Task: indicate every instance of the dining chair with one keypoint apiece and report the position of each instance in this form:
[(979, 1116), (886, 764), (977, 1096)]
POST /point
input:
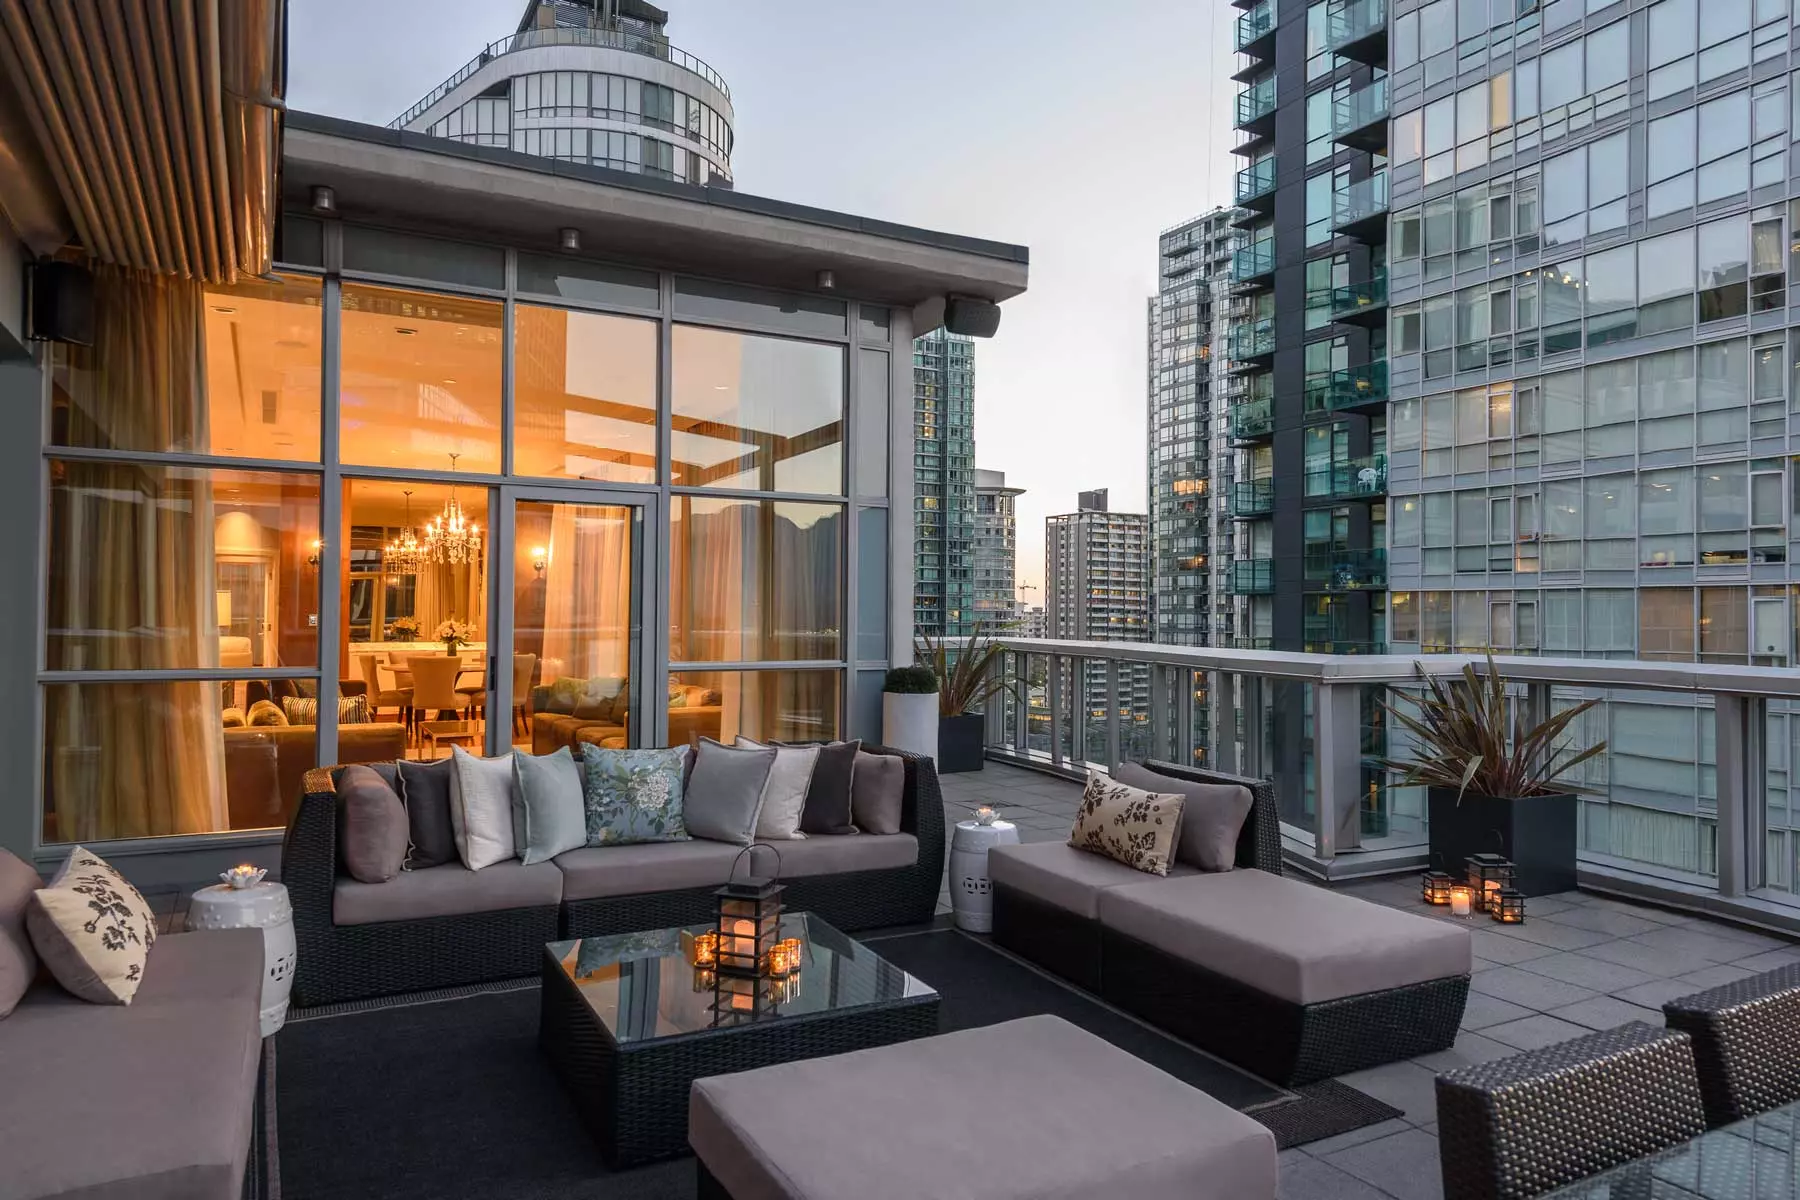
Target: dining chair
[(524, 666), (434, 685)]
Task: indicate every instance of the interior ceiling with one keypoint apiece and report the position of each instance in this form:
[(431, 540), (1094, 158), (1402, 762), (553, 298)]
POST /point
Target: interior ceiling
[(159, 121)]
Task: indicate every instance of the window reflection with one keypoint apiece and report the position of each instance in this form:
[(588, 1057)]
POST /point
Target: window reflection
[(754, 580), (584, 395), (757, 413), (790, 706)]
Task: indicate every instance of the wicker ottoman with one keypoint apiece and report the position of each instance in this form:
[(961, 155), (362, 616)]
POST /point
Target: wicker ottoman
[(1520, 1126), (1029, 1108), (1746, 1043)]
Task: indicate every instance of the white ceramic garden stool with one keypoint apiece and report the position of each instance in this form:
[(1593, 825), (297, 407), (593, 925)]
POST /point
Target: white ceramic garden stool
[(265, 907), (971, 896)]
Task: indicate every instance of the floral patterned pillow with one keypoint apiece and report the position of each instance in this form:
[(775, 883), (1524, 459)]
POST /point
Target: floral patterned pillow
[(1128, 825), (633, 795), (92, 929)]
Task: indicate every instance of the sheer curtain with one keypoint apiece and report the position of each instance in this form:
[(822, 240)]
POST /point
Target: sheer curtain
[(135, 589), (587, 596)]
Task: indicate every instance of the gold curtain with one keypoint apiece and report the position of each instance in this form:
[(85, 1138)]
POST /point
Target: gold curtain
[(133, 585), (588, 589)]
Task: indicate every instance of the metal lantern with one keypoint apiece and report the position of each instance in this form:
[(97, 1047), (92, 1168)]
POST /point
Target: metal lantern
[(1509, 906), (1435, 887), (1488, 873), (747, 918)]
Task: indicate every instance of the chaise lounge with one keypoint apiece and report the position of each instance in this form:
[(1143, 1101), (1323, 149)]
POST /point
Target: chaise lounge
[(1293, 982)]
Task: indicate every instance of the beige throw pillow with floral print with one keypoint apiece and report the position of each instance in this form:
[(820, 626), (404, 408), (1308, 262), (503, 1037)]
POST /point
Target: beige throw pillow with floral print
[(92, 929), (1131, 826)]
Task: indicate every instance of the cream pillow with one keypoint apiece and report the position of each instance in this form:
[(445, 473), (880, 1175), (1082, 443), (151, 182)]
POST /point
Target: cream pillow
[(784, 792), (92, 929), (1127, 824), (481, 808)]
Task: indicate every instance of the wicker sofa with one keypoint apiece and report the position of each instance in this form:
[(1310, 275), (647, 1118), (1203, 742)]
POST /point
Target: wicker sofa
[(448, 926), (1292, 982)]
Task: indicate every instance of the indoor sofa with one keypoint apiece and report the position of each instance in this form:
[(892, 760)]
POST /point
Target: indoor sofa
[(448, 926), (1293, 982)]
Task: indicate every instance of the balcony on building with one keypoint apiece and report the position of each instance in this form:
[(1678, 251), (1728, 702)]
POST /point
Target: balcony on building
[(1253, 420), (1338, 570), (1252, 266), (1255, 188), (1357, 30), (1360, 119), (1252, 344), (1360, 211), (1354, 479), (1256, 115), (1252, 577), (1362, 303), (1251, 498), (1351, 389), (1256, 30)]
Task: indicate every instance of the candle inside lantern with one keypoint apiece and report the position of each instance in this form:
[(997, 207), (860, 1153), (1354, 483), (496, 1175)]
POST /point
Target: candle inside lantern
[(743, 937), (1461, 901), (1436, 887)]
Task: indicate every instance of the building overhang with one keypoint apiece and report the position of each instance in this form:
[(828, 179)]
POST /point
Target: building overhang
[(389, 176)]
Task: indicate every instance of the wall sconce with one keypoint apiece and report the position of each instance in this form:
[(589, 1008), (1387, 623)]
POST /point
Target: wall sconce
[(312, 560), (540, 558), (570, 240), (324, 201)]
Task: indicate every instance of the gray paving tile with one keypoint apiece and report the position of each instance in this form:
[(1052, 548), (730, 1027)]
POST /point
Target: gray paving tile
[(1713, 944), (1304, 1177), (1549, 932), (1407, 1086), (1712, 977), (1537, 992), (1470, 1048), (1583, 970), (1600, 920), (1535, 1032), (1661, 963), (1356, 1137), (1496, 947), (1483, 1011), (1606, 1012), (1405, 1165), (1043, 835), (1768, 960), (1657, 993), (1659, 915)]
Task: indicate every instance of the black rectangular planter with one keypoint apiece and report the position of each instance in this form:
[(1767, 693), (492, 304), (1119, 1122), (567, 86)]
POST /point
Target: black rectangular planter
[(960, 743), (1536, 832)]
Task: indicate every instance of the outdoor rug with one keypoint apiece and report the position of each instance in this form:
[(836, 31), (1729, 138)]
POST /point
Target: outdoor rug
[(446, 1094)]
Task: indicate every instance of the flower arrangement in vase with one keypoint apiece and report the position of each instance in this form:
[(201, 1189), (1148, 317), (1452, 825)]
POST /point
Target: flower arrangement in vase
[(404, 629), (454, 634)]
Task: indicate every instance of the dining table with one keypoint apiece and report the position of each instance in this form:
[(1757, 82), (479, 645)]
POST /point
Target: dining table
[(1752, 1159)]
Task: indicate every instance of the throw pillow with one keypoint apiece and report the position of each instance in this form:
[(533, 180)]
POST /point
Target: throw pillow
[(1127, 824), (234, 718), (372, 831), (425, 790), (547, 815), (481, 808), (264, 712), (724, 796), (304, 710), (18, 963), (92, 929), (564, 692), (1211, 819), (878, 792), (828, 796), (631, 796), (784, 795)]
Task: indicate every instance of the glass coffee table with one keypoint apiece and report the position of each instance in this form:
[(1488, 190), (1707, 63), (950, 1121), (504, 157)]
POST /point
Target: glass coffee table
[(628, 1024)]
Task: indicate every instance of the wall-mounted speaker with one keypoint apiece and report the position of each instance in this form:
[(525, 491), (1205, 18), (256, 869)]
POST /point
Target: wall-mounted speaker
[(59, 303), (971, 315)]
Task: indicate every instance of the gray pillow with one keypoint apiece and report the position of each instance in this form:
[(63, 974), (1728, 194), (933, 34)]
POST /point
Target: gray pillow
[(547, 811), (876, 792), (371, 826), (723, 797), (18, 962), (425, 789), (1211, 819), (828, 796)]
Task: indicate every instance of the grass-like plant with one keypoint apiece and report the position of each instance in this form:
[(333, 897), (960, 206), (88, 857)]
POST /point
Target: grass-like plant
[(968, 674), (1466, 740)]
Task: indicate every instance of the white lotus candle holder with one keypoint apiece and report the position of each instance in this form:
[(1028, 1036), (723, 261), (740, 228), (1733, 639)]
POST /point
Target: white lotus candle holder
[(244, 876)]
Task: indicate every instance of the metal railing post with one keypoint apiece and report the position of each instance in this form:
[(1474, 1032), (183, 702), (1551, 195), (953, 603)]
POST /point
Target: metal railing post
[(1255, 766), (1055, 689), (1184, 719), (1337, 774), (1021, 701), (1221, 753), (1113, 668), (1160, 742), (1741, 729)]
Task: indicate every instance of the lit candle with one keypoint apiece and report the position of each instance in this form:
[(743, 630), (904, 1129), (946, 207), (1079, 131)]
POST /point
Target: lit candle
[(743, 937), (1460, 901)]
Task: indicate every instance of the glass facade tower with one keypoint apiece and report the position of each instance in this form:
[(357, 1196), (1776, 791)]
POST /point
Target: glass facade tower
[(944, 484)]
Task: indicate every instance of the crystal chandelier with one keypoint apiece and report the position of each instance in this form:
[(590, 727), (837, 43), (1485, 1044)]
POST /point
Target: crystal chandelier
[(404, 555), (450, 537)]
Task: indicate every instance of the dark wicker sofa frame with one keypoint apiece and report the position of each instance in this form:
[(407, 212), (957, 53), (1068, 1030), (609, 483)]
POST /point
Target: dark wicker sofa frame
[(350, 962), (1277, 1039)]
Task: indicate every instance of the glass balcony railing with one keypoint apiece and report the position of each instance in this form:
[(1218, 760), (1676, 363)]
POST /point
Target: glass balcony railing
[(1351, 25), (1257, 101), (1256, 24), (1358, 301), (1253, 577), (1256, 180), (1365, 109), (1253, 419), (1346, 570), (1356, 479), (1253, 340), (1253, 498), (1361, 209), (1253, 261), (1349, 389)]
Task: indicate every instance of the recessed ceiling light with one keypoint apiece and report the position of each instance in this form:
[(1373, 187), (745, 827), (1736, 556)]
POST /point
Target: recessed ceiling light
[(403, 331), (224, 308), (449, 381)]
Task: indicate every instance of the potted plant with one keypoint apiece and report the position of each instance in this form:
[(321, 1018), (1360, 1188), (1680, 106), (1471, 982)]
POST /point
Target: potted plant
[(909, 707), (1495, 784), (967, 680)]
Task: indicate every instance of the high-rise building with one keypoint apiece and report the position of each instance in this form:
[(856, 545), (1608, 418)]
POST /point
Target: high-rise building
[(589, 81), (1187, 463), (995, 545), (1031, 621), (1097, 589), (944, 484)]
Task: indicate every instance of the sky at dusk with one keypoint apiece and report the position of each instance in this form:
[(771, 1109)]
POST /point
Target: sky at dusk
[(1078, 130)]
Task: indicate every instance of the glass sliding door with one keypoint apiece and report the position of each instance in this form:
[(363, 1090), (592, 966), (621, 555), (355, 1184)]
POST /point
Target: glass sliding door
[(571, 567)]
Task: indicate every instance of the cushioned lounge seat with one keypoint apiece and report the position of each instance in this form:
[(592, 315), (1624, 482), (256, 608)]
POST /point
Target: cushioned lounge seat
[(1057, 873), (828, 854), (1299, 943), (448, 891), (596, 871), (150, 1101), (1031, 1108)]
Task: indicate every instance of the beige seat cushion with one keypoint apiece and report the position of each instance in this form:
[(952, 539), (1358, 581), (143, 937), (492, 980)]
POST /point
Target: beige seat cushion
[(828, 854), (1292, 940), (639, 867), (447, 891), (1057, 873), (981, 1113)]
